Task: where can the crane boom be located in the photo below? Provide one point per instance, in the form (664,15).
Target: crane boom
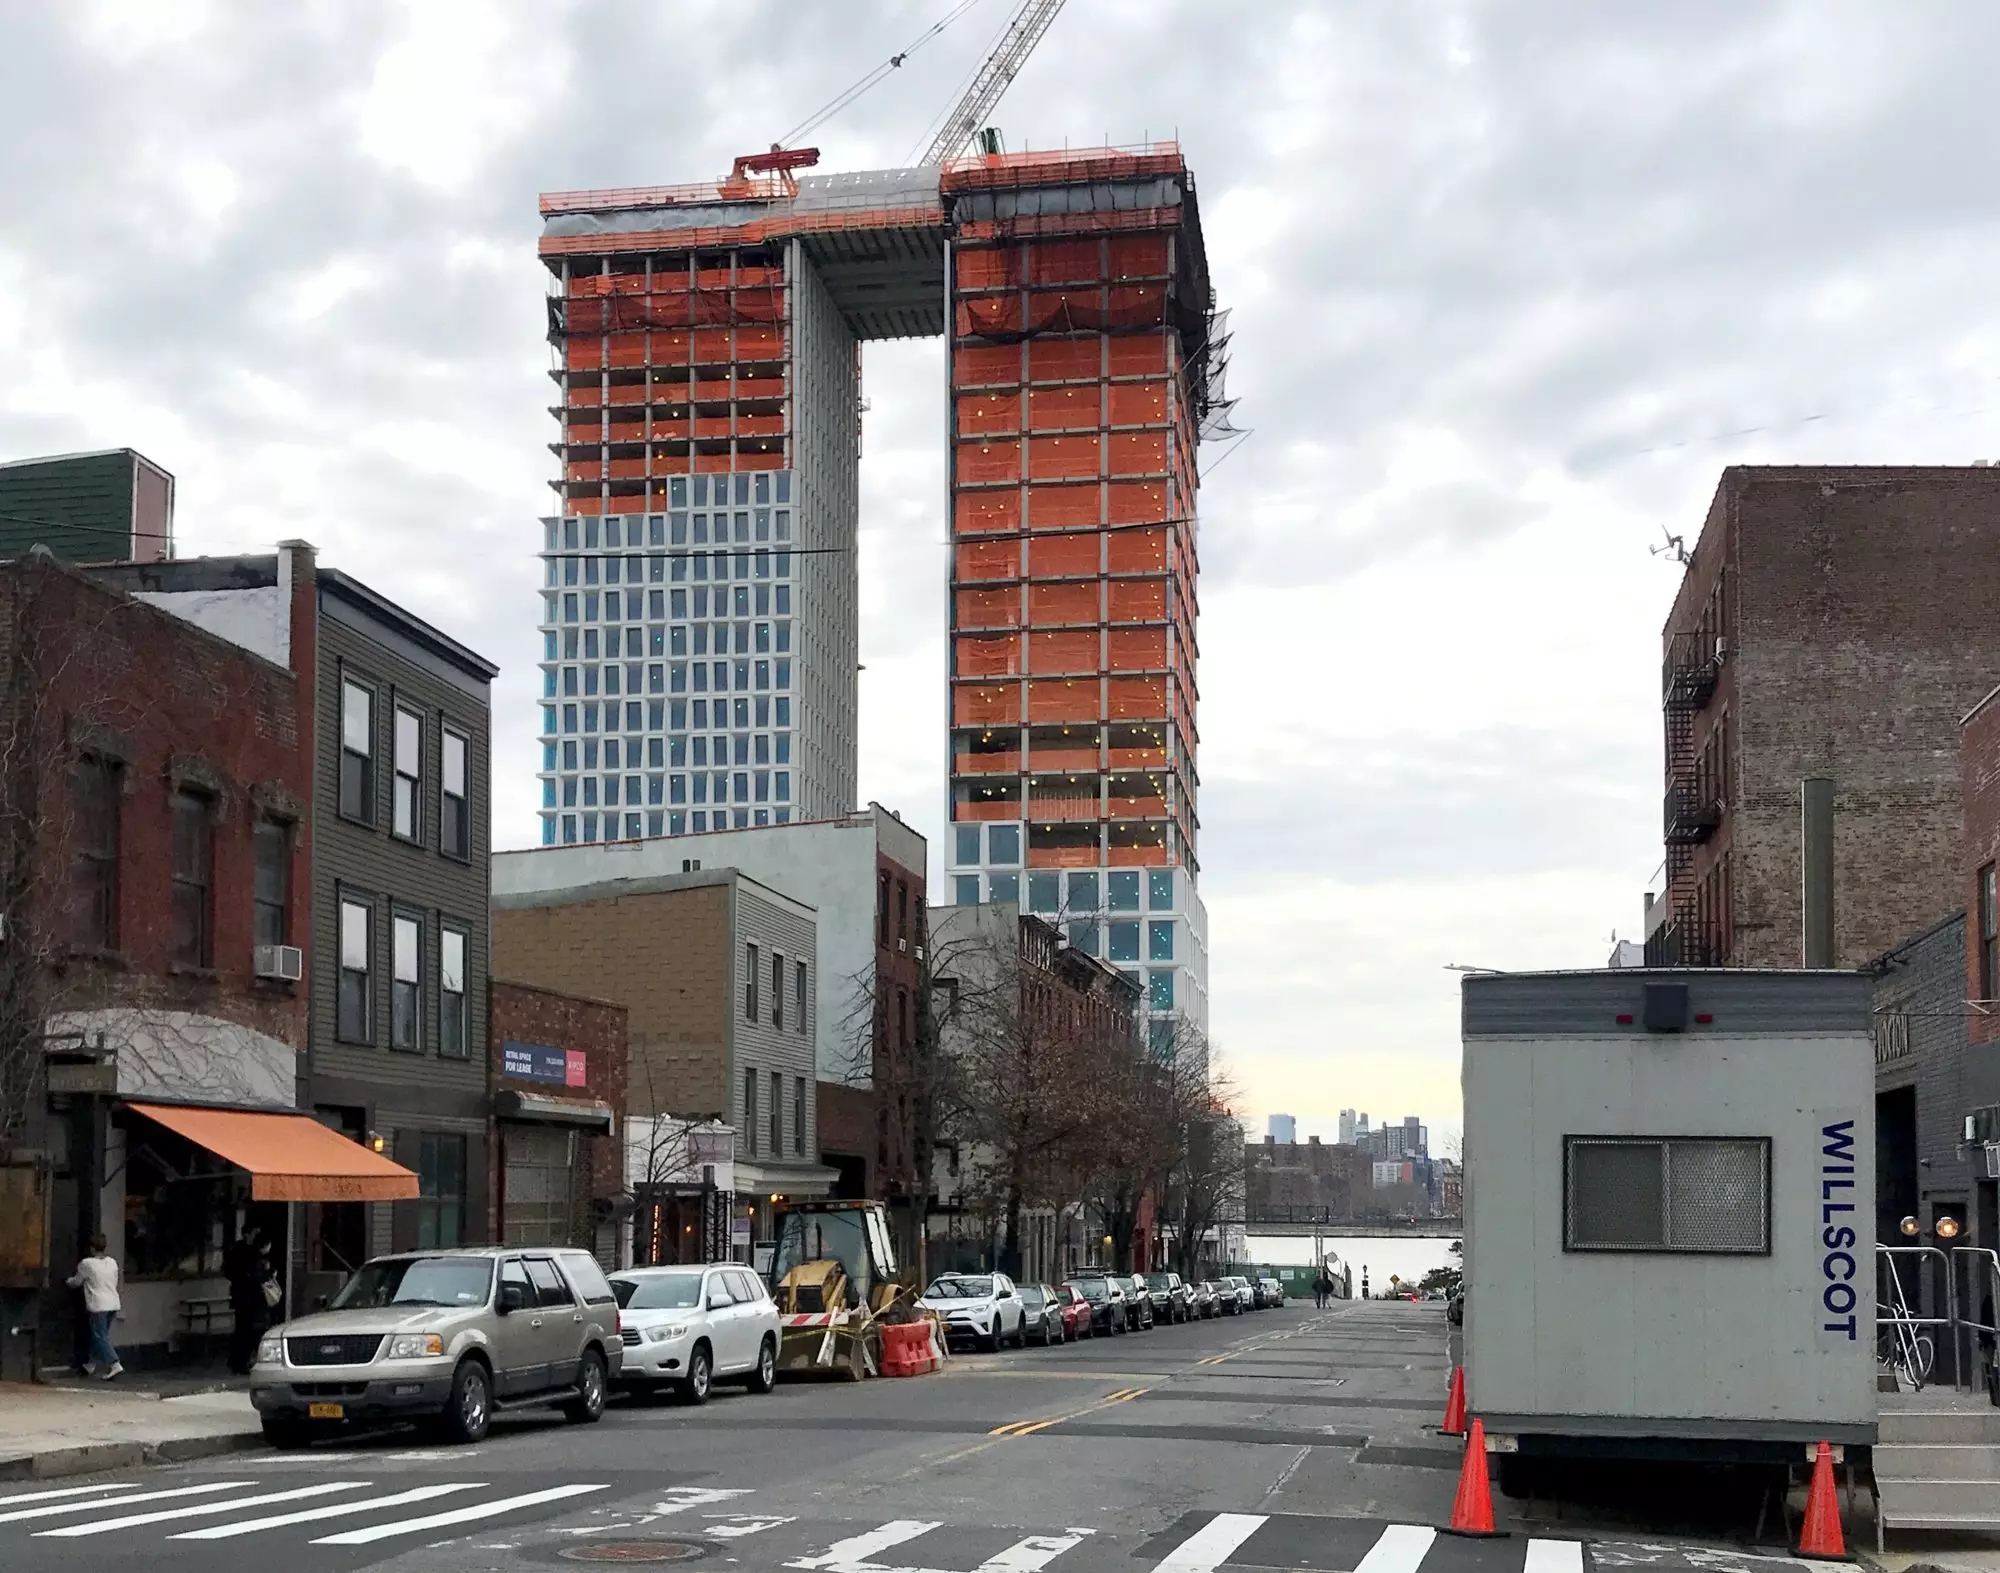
(969,114)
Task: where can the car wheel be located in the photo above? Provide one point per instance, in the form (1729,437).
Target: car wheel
(286,1433)
(700,1377)
(997,1339)
(468,1413)
(587,1408)
(764,1375)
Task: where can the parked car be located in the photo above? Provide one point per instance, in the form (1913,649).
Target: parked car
(1236,1294)
(447,1336)
(1204,1299)
(980,1308)
(685,1328)
(1105,1299)
(1138,1304)
(1272,1290)
(1042,1316)
(1173,1301)
(1079,1320)
(1226,1301)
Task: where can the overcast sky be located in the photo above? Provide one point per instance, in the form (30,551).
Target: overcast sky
(1511,282)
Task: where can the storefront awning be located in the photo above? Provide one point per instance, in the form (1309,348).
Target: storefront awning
(289,1157)
(511,1105)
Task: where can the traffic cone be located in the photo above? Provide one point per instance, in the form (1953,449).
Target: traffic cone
(1454,1406)
(1472,1513)
(1820,1535)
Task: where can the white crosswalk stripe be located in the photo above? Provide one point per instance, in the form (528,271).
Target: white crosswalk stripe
(1401,1549)
(1210,1546)
(104,1526)
(459,1515)
(68,1491)
(55,1510)
(337,1510)
(857,1550)
(1554,1556)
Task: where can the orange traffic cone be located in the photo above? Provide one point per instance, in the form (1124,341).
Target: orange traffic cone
(1820,1535)
(1472,1513)
(1454,1406)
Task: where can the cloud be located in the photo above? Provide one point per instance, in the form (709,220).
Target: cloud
(1508,287)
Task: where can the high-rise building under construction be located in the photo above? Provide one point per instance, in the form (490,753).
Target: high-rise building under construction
(700,603)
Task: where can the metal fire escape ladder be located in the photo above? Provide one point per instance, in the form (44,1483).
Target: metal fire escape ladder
(1688,680)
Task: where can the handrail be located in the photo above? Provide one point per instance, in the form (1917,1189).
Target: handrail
(1895,1310)
(1977,1256)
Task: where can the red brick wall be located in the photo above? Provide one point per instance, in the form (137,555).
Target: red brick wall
(1861,629)
(897,977)
(170,702)
(526,1013)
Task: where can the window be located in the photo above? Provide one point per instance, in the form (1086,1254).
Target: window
(550,1287)
(440,1190)
(406,818)
(1123,886)
(798,1116)
(799,994)
(357,752)
(750,983)
(1160,940)
(1004,842)
(193,881)
(1160,988)
(455,819)
(94,804)
(1003,887)
(777,1114)
(271,882)
(1083,893)
(1160,889)
(406,992)
(353,1008)
(1124,941)
(750,1113)
(777,991)
(1989,933)
(451,994)
(965,889)
(1707,1195)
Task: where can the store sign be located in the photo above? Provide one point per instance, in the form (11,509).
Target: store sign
(539,1062)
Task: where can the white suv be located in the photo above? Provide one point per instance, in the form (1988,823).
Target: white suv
(687,1327)
(980,1307)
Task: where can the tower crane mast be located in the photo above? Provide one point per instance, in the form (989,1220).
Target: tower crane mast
(1025,31)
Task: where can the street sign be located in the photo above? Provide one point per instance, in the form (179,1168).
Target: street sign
(92,1076)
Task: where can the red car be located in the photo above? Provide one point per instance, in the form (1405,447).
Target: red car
(1075,1312)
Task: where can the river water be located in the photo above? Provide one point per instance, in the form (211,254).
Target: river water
(1408,1257)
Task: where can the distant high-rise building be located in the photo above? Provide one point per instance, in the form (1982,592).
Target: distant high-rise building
(1347,1127)
(1282,1128)
(1415,1138)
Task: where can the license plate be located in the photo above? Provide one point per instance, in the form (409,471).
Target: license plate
(327,1411)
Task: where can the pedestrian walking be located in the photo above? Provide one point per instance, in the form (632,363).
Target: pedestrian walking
(97,1276)
(1322,1286)
(249,1271)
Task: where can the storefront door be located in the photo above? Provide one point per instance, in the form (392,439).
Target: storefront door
(539,1184)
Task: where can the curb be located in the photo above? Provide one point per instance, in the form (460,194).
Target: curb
(97,1457)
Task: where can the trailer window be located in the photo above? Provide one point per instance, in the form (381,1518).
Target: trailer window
(1700,1194)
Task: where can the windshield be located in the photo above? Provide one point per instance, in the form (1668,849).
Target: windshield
(421,1280)
(1031,1294)
(1091,1288)
(959,1289)
(815,1236)
(659,1292)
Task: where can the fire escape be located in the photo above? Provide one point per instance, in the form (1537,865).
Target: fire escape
(1691,936)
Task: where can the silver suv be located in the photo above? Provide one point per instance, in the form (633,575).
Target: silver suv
(446,1335)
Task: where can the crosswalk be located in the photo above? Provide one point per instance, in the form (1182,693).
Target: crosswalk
(85,1512)
(190,1514)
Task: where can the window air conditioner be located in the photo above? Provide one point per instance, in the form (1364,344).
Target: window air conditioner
(1993,1160)
(902,947)
(286,963)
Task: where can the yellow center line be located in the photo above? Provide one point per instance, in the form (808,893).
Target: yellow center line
(1030,1427)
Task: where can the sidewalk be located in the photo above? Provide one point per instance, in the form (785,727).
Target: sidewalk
(74,1430)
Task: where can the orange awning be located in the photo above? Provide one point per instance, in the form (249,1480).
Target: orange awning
(289,1157)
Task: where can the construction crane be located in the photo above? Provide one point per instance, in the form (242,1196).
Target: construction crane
(1025,31)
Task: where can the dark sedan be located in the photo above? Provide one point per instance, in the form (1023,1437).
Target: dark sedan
(1107,1304)
(1041,1315)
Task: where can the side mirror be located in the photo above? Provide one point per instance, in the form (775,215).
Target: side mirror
(319,1302)
(719,1300)
(512,1298)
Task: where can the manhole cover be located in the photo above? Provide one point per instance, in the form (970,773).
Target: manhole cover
(634,1551)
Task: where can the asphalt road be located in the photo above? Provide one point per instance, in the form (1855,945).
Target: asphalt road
(1285,1439)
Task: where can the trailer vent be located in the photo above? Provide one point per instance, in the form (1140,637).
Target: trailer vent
(1700,1194)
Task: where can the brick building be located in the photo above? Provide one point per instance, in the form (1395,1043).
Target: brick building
(1979,1096)
(717,974)
(1834,622)
(863,875)
(1307,1181)
(155,836)
(400,813)
(556,1173)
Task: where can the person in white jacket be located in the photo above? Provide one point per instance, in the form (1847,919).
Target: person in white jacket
(97,1276)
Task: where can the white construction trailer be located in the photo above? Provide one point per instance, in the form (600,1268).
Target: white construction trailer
(1669,1214)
